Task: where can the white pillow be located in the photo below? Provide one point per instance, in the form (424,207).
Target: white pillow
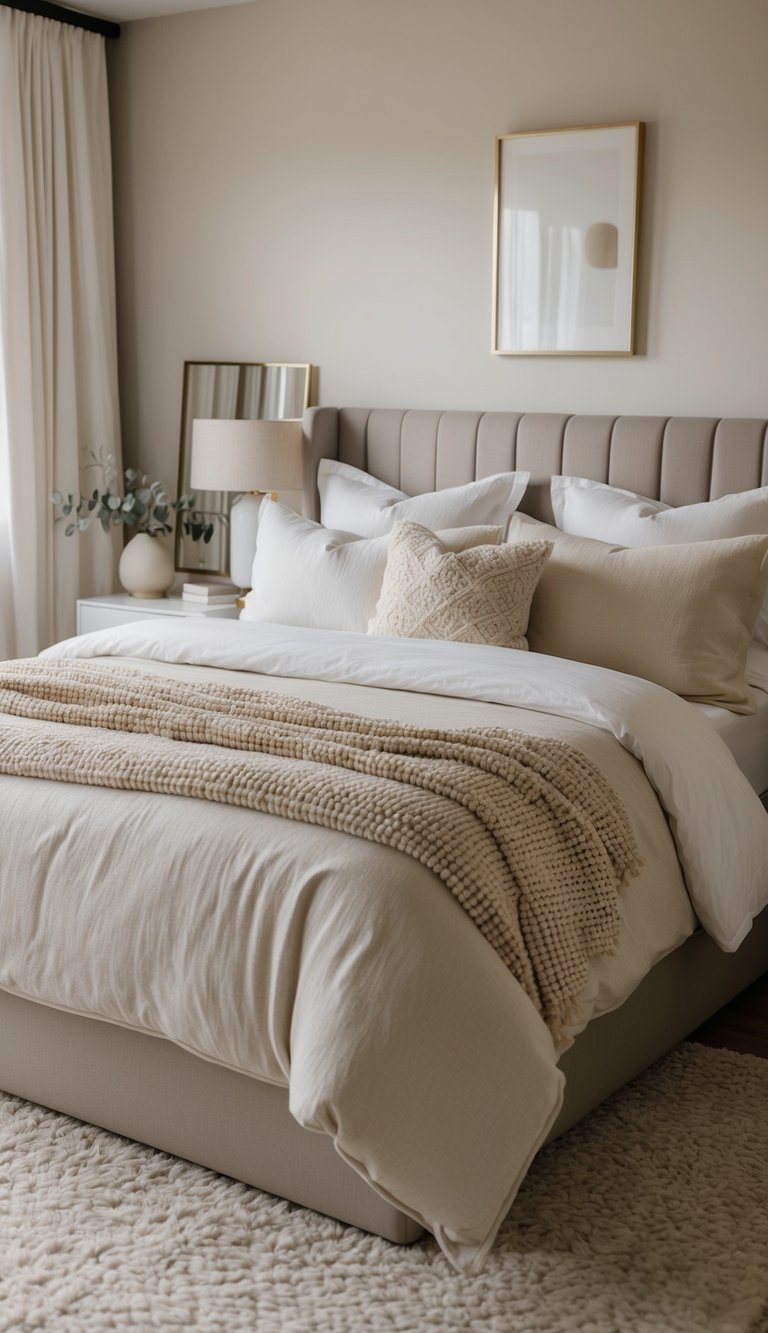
(356,502)
(304,574)
(586,508)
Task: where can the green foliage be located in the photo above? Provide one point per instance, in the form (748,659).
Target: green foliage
(144,506)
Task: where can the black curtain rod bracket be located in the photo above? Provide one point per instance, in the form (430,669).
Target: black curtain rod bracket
(45,9)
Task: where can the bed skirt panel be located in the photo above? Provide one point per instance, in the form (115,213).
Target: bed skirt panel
(150,1090)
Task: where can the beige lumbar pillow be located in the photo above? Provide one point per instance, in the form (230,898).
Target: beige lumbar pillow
(478,596)
(681,616)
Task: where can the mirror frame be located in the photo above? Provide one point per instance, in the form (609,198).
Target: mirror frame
(188,366)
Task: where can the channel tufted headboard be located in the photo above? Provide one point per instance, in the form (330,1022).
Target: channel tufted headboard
(681,460)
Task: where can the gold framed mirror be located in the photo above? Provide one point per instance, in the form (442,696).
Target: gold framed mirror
(239,390)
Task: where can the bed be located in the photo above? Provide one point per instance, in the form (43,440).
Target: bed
(195,1101)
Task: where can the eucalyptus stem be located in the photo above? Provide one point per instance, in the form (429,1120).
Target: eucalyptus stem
(143,506)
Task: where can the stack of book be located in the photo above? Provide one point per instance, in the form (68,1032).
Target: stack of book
(210,594)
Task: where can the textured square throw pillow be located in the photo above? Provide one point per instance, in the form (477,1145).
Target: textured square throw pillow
(478,596)
(354,501)
(681,616)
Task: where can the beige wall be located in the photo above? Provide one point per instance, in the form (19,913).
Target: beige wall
(313,180)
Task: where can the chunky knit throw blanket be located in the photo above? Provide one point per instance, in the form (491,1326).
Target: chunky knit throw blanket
(523,830)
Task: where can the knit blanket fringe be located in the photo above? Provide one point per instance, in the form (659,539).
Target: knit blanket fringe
(523,830)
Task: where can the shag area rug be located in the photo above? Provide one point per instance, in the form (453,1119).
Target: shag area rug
(651,1215)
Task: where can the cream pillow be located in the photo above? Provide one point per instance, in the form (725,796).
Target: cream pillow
(478,596)
(681,616)
(304,574)
(587,508)
(354,501)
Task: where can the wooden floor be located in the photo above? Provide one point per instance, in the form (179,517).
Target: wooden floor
(742,1025)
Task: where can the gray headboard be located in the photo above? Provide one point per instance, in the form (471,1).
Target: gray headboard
(680,460)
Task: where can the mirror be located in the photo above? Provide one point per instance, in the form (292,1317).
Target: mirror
(243,390)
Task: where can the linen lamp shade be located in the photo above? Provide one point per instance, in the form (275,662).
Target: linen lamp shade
(250,457)
(232,455)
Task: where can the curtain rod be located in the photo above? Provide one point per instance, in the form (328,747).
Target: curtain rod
(47,10)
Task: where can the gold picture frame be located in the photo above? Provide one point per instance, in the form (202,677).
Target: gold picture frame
(565,241)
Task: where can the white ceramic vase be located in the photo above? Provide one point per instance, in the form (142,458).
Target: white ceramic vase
(146,566)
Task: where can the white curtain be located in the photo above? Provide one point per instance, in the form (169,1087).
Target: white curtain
(58,358)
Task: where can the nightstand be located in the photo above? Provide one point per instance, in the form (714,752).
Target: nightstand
(119,608)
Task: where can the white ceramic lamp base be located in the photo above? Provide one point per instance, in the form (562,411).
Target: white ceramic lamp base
(243,528)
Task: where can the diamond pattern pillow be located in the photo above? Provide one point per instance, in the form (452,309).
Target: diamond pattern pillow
(478,596)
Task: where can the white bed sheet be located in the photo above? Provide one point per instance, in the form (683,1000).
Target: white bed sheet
(746,737)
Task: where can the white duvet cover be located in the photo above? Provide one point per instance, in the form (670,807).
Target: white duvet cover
(340,968)
(713,811)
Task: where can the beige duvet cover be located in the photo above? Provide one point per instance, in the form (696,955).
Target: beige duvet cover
(307,958)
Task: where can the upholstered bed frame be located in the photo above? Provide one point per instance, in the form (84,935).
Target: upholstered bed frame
(680,460)
(151,1090)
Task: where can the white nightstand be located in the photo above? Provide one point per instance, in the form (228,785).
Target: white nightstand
(119,608)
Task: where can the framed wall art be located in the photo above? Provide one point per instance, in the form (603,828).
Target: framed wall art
(566,220)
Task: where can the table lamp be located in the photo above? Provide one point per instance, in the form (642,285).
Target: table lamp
(255,458)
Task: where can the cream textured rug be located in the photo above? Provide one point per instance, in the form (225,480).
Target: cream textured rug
(652,1215)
